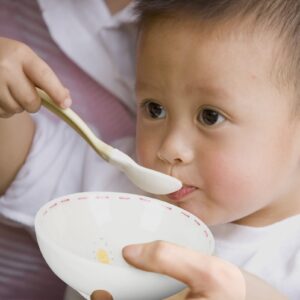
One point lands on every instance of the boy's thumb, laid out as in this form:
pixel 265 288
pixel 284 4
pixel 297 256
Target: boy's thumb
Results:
pixel 101 295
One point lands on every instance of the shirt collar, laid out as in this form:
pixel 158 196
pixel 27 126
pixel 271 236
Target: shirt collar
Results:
pixel 124 17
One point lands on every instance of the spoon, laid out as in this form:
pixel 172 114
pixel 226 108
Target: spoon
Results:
pixel 146 179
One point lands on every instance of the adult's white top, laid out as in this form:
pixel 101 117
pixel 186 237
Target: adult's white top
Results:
pixel 101 44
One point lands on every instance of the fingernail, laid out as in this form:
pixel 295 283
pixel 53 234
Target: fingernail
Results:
pixel 101 295
pixel 67 103
pixel 132 251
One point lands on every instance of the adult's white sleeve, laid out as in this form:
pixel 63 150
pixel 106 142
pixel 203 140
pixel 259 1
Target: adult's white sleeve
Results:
pixel 53 167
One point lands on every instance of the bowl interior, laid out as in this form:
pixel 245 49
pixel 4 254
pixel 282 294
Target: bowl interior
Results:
pixel 96 226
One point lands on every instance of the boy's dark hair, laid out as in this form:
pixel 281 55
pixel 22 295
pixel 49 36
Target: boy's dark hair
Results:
pixel 280 16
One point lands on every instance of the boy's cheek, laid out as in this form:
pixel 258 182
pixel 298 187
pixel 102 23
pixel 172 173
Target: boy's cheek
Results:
pixel 229 179
pixel 146 148
pixel 145 152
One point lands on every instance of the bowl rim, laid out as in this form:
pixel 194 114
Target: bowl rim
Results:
pixel 43 208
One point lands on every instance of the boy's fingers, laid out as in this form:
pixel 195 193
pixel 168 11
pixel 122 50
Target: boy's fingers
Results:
pixel 169 259
pixel 203 274
pixel 41 75
pixel 101 295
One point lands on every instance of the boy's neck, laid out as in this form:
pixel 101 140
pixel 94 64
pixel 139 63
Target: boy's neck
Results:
pixel 115 6
pixel 267 217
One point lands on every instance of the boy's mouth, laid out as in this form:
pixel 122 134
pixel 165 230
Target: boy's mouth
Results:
pixel 184 191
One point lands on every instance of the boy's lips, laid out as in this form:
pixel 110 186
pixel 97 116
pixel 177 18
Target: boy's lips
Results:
pixel 185 190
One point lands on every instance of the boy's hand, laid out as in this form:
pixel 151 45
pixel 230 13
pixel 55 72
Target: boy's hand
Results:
pixel 207 277
pixel 20 71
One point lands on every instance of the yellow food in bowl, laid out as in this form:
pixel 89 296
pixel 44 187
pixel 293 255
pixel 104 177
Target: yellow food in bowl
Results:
pixel 102 256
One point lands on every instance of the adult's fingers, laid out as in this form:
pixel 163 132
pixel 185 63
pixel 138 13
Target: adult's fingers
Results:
pixel 8 105
pixel 101 295
pixel 41 75
pixel 25 94
pixel 4 114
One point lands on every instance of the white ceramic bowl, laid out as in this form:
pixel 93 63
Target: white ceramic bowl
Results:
pixel 81 237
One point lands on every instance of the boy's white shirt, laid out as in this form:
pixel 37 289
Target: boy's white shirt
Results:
pixel 100 44
pixel 60 163
pixel 271 252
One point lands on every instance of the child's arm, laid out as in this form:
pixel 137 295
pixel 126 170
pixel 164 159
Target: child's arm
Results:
pixel 21 70
pixel 16 135
pixel 208 277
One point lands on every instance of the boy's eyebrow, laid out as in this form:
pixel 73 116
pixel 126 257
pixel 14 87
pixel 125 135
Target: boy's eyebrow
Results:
pixel 204 89
pixel 145 85
pixel 210 89
pixel 219 93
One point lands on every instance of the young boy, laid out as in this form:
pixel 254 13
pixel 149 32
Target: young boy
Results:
pixel 217 93
pixel 218 107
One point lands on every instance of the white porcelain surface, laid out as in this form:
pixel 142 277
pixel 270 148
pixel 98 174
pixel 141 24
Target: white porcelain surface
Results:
pixel 81 237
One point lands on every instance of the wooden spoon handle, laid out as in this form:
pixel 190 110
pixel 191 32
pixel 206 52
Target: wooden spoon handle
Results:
pixel 70 117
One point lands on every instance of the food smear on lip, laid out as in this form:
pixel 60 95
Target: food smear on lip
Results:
pixel 185 190
pixel 102 256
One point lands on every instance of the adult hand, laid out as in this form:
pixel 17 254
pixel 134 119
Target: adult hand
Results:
pixel 20 71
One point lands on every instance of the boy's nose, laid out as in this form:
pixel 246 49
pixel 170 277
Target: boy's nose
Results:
pixel 176 149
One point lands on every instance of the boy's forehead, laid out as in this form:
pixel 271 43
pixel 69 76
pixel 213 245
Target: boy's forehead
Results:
pixel 169 37
pixel 163 39
pixel 237 27
pixel 216 61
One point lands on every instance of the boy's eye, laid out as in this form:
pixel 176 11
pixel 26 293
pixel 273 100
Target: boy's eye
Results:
pixel 154 110
pixel 210 117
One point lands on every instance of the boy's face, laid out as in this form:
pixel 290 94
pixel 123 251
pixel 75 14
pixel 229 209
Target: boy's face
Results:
pixel 209 113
